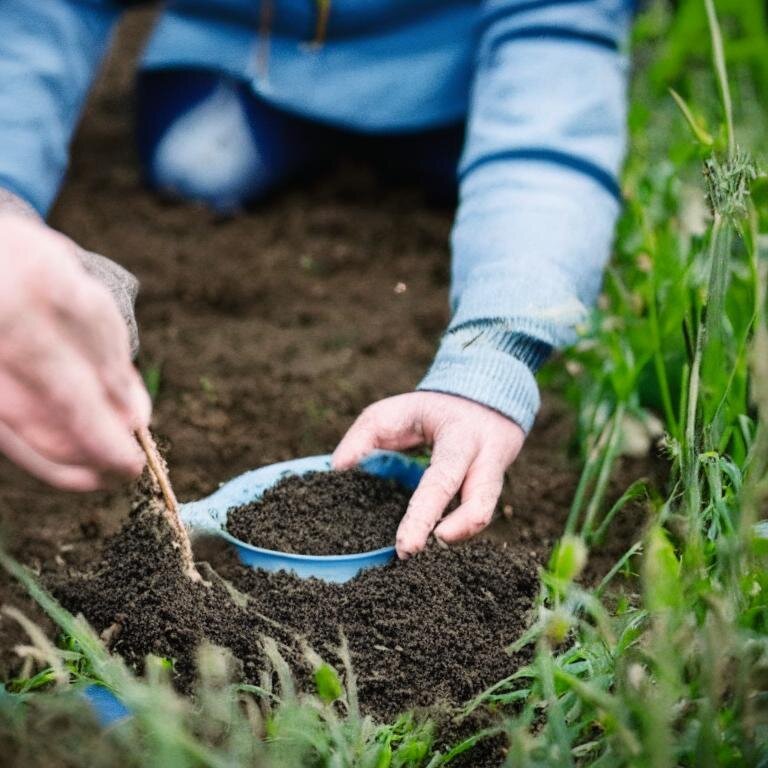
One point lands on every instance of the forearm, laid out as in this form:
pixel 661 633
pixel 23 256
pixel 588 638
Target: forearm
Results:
pixel 49 53
pixel 539 200
pixel 532 249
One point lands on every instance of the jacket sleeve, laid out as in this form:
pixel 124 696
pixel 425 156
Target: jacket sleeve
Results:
pixel 539 194
pixel 49 53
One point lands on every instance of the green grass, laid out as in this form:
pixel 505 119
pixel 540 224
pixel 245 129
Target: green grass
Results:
pixel 675 675
pixel 667 667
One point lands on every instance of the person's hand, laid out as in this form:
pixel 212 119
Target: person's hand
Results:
pixel 70 398
pixel 472 446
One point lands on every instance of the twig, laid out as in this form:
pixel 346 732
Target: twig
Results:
pixel 158 471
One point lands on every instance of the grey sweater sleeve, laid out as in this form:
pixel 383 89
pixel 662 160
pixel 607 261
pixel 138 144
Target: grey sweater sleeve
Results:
pixel 539 195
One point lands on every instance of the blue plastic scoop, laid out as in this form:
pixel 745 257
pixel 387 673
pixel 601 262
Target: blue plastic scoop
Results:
pixel 209 515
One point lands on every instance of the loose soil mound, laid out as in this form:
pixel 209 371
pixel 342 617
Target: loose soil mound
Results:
pixel 138 595
pixel 428 631
pixel 323 513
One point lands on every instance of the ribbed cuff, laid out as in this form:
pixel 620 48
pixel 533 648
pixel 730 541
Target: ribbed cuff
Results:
pixel 478 366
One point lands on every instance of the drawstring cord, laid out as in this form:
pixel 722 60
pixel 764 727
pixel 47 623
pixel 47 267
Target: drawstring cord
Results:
pixel 266 16
pixel 321 27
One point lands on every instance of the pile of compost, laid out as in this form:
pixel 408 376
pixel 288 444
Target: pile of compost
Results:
pixel 426 632
pixel 323 513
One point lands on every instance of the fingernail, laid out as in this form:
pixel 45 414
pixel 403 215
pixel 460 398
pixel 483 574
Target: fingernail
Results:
pixel 335 463
pixel 402 551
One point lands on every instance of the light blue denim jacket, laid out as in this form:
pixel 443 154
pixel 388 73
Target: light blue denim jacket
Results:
pixel 541 84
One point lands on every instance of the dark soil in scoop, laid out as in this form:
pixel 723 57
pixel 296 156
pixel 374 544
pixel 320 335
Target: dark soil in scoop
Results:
pixel 427 633
pixel 323 513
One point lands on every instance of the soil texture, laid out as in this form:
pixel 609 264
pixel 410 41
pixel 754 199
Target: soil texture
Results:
pixel 323 513
pixel 425 632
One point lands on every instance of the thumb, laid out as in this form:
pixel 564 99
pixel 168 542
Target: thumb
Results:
pixel 393 424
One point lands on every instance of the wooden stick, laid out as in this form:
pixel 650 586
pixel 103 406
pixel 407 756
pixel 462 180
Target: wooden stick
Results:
pixel 157 468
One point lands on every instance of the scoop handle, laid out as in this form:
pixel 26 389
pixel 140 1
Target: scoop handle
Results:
pixel 197 517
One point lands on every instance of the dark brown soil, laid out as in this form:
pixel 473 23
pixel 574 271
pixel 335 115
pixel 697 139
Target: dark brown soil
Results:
pixel 425 631
pixel 428 631
pixel 323 513
pixel 139 593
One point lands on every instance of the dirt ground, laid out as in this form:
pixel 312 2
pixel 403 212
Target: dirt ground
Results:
pixel 271 331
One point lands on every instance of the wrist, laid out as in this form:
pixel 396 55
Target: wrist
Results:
pixel 469 366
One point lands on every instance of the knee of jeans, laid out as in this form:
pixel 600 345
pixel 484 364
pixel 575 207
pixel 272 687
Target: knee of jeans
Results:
pixel 209 155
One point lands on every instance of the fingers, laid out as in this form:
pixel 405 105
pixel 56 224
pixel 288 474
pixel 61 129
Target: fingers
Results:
pixel 141 402
pixel 88 315
pixel 472 447
pixel 54 402
pixel 393 424
pixel 479 495
pixel 70 398
pixel 451 458
pixel 100 436
pixel 67 478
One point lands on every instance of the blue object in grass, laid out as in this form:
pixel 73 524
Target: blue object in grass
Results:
pixel 209 515
pixel 108 709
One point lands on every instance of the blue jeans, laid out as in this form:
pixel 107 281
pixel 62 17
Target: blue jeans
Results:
pixel 204 136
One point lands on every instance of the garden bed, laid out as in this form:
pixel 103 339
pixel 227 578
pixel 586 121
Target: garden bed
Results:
pixel 263 337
